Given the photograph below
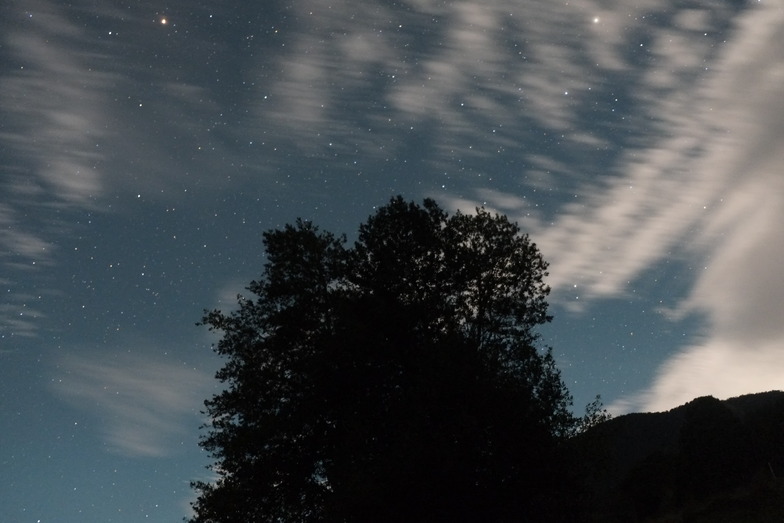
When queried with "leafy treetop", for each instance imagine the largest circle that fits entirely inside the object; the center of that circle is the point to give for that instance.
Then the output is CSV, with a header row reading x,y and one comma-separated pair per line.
x,y
394,380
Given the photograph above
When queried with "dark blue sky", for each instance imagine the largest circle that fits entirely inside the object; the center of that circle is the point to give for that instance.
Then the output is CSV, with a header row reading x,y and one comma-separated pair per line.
x,y
145,147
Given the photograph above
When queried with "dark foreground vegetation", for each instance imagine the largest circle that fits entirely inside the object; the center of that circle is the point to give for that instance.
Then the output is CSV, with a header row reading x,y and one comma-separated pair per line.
x,y
401,379
705,461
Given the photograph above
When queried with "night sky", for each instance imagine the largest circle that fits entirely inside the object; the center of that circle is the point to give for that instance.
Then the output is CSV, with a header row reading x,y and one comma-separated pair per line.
x,y
145,147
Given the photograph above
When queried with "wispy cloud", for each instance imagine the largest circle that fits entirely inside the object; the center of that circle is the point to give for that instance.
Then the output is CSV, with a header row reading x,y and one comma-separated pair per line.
x,y
741,288
698,181
146,405
52,126
711,192
669,112
361,76
53,103
675,129
78,124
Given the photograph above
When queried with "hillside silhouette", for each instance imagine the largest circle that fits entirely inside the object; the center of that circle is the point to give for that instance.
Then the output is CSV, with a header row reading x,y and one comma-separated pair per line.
x,y
705,461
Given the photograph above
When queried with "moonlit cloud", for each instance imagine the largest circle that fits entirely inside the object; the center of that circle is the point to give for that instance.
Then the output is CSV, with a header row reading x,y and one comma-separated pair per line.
x,y
707,191
714,368
143,403
487,75
669,126
675,130
71,107
56,124
51,128
741,289
703,187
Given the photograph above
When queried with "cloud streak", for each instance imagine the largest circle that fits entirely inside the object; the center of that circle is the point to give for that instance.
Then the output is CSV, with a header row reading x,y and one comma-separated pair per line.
x,y
670,112
484,76
696,180
146,405
710,192
741,288
56,123
674,129
52,126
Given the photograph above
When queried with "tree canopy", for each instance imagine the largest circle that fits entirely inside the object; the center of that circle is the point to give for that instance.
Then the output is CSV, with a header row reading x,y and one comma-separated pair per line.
x,y
396,379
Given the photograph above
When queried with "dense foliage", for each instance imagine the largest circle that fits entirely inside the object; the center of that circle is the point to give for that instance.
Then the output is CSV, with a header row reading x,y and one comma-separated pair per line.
x,y
398,379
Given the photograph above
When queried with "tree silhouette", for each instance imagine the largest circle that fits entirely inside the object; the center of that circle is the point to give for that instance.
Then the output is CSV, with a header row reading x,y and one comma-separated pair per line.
x,y
395,380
